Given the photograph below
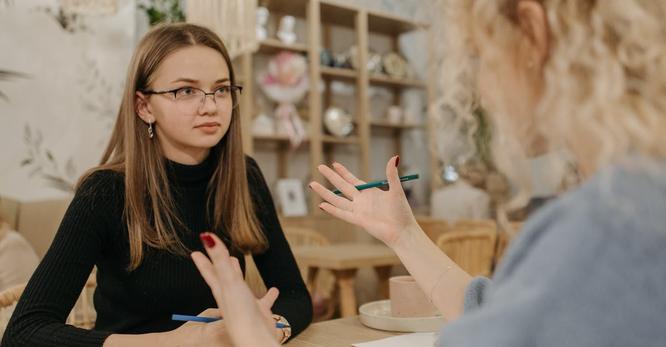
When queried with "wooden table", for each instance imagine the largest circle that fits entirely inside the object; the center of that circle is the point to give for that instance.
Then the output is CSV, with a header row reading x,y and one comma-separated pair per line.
x,y
337,332
344,260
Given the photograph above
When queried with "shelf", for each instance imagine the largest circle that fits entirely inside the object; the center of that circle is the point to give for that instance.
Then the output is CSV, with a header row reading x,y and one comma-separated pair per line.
x,y
330,23
387,81
337,14
270,46
297,8
337,73
385,124
387,24
340,140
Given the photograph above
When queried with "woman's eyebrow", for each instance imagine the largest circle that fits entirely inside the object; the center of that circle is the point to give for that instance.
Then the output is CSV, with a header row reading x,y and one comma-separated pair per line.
x,y
184,79
189,80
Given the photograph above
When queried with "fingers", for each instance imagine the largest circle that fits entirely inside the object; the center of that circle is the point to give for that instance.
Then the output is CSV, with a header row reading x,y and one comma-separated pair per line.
x,y
347,216
219,255
330,197
207,270
214,246
392,175
345,187
268,300
211,313
235,265
348,176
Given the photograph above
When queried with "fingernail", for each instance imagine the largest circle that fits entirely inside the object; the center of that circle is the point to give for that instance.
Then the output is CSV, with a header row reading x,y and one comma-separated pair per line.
x,y
397,161
207,240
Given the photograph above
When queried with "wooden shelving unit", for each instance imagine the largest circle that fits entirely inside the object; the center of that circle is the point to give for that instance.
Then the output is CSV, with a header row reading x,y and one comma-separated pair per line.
x,y
319,17
271,46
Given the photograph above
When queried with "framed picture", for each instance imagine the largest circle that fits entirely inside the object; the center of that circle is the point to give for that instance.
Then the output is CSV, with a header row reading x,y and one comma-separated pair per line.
x,y
291,197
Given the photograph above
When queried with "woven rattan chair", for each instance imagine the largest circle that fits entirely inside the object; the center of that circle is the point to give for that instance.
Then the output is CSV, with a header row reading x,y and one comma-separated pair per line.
x,y
83,313
472,249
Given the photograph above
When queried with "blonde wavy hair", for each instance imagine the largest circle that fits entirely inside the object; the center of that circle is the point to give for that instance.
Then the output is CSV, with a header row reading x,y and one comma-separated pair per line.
x,y
604,90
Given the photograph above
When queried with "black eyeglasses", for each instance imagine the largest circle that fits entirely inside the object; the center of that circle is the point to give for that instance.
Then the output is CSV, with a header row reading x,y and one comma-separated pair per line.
x,y
190,97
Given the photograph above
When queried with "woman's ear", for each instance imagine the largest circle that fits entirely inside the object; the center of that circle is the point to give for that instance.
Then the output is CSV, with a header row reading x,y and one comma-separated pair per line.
x,y
534,26
142,108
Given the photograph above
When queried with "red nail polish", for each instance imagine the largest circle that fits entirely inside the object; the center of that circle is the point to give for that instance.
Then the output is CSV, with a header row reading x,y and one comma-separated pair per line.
x,y
207,240
397,161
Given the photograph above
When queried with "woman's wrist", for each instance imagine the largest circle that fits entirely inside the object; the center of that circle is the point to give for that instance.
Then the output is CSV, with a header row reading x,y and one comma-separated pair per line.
x,y
406,238
284,332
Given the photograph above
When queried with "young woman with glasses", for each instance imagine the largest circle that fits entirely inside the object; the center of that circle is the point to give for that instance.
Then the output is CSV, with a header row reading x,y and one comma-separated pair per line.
x,y
174,169
585,76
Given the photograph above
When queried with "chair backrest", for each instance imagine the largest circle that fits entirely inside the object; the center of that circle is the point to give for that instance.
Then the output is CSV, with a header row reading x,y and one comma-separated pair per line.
x,y
83,313
299,236
472,249
433,227
474,224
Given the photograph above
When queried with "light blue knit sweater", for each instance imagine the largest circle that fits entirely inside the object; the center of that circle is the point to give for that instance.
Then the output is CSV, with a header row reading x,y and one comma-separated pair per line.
x,y
588,270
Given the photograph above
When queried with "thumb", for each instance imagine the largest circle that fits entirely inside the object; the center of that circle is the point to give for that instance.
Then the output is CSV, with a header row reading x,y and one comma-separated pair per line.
x,y
267,300
211,313
392,174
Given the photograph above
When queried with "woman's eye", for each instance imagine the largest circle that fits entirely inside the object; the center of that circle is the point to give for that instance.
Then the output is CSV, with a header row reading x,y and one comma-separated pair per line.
x,y
185,91
223,90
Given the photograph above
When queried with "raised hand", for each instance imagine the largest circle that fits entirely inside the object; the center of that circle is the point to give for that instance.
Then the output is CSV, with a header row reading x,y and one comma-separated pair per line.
x,y
386,215
248,321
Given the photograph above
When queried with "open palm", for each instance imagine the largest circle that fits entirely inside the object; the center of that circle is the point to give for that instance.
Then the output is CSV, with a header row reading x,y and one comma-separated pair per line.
x,y
383,214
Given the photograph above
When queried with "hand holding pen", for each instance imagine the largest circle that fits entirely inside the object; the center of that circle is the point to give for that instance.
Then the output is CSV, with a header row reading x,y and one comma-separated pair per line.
x,y
386,215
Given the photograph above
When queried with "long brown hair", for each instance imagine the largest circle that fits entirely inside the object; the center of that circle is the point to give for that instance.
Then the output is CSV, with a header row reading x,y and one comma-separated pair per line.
x,y
130,151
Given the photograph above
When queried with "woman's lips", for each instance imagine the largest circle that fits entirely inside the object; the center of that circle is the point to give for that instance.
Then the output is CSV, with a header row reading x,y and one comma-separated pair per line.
x,y
210,127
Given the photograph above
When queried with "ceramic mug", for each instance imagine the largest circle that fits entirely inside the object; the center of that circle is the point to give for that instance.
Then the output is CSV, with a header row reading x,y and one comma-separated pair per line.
x,y
408,300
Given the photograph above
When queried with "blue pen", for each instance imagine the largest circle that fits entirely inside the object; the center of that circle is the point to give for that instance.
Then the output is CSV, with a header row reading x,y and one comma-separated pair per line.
x,y
186,318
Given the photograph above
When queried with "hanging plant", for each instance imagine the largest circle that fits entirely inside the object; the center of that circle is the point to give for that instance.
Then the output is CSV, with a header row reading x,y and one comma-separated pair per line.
x,y
163,11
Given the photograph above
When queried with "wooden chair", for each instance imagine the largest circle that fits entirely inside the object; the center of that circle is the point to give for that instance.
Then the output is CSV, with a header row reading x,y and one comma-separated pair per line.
x,y
433,227
473,249
474,224
324,289
83,313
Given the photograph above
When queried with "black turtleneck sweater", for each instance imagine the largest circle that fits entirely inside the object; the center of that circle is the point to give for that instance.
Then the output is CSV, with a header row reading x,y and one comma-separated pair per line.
x,y
93,233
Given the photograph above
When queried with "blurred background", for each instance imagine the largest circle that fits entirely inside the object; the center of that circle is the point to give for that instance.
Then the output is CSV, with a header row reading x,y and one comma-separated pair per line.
x,y
360,77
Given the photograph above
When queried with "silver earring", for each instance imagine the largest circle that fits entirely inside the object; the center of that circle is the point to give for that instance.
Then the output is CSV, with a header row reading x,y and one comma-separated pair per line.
x,y
150,130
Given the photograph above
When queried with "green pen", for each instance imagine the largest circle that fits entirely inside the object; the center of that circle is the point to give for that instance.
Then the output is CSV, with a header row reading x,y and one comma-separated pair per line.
x,y
376,184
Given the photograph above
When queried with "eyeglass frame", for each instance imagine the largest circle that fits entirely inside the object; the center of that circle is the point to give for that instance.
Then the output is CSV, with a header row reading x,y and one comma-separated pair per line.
x,y
232,88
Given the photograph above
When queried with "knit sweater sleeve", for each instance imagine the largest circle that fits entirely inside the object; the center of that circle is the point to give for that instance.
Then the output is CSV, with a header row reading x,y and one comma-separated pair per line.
x,y
277,265
40,315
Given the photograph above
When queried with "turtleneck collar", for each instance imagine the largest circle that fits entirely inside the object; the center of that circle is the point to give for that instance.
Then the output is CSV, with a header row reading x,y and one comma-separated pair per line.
x,y
192,174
